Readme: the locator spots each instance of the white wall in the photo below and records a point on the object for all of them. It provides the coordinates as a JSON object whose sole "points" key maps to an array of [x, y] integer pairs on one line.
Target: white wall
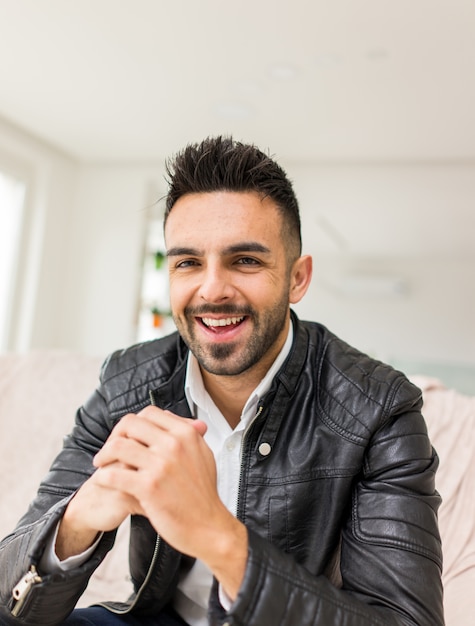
{"points": [[105, 254], [432, 251], [433, 321]]}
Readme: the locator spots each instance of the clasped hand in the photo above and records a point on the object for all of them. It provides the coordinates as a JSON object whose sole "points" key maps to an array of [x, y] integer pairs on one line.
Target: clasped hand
{"points": [[158, 465]]}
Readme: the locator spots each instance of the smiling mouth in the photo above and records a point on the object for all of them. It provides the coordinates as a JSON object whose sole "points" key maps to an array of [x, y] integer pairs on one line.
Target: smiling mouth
{"points": [[222, 323]]}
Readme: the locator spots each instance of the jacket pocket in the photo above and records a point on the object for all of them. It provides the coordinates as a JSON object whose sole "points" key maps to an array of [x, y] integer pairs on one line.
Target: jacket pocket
{"points": [[278, 521]]}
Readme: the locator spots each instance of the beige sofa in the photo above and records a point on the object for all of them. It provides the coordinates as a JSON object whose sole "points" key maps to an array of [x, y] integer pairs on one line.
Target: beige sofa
{"points": [[39, 393]]}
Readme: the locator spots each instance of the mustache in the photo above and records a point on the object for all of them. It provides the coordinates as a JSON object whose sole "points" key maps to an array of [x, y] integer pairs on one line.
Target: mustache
{"points": [[221, 309]]}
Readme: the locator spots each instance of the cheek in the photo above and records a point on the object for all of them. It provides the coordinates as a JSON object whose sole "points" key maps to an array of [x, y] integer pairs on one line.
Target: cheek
{"points": [[267, 290], [178, 296]]}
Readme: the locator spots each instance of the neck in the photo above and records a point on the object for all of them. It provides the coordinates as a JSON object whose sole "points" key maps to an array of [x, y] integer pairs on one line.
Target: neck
{"points": [[230, 393]]}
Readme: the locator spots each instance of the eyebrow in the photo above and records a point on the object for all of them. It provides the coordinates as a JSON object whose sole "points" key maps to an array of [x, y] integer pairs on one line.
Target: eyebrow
{"points": [[235, 248]]}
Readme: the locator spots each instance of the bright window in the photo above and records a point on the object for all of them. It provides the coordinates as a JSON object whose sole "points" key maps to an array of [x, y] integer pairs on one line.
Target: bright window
{"points": [[12, 196]]}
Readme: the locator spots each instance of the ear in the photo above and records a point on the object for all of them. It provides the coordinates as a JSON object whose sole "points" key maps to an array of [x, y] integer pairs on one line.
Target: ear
{"points": [[300, 277]]}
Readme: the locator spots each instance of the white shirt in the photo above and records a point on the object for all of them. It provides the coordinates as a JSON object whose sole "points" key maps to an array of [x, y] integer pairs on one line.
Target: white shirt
{"points": [[192, 595]]}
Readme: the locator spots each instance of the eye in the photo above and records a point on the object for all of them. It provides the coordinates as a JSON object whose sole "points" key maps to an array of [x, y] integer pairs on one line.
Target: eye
{"points": [[185, 263], [247, 260]]}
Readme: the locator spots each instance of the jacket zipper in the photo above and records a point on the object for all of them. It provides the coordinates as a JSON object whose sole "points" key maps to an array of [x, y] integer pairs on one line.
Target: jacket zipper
{"points": [[23, 588], [142, 586], [244, 438]]}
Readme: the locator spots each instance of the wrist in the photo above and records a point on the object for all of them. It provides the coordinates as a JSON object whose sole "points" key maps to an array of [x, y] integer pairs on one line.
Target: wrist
{"points": [[228, 559], [73, 537]]}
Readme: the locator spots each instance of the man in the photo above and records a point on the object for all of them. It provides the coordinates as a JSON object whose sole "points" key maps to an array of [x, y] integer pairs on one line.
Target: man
{"points": [[302, 492]]}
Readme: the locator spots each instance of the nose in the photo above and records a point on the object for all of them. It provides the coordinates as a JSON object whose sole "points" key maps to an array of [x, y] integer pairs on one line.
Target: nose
{"points": [[216, 285]]}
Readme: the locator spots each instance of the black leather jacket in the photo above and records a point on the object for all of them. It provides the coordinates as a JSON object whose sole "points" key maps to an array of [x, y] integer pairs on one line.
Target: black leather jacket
{"points": [[341, 514]]}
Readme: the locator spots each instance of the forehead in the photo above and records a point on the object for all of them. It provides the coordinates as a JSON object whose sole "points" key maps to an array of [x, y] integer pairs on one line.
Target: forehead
{"points": [[223, 216]]}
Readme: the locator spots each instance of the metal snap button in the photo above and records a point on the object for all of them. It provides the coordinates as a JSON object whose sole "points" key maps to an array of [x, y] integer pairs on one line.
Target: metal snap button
{"points": [[265, 449]]}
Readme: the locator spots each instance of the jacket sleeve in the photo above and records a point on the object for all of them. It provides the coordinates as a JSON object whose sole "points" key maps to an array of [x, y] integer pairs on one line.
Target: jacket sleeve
{"points": [[50, 598], [390, 558]]}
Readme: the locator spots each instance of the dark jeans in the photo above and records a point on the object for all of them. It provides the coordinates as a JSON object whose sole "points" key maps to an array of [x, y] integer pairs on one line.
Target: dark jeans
{"points": [[98, 616]]}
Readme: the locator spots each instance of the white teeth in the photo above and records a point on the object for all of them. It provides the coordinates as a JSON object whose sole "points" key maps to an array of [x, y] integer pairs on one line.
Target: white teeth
{"points": [[228, 321]]}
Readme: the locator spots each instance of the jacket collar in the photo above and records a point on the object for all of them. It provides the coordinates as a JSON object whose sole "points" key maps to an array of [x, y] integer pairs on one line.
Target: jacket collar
{"points": [[276, 403], [170, 395]]}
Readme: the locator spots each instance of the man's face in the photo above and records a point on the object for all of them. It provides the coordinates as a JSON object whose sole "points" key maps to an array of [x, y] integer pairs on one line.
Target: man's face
{"points": [[229, 279]]}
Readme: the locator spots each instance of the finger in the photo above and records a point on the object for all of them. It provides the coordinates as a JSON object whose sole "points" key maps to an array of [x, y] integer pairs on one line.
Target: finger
{"points": [[152, 428], [169, 421], [199, 426], [112, 479], [124, 450], [133, 426], [162, 418], [129, 485]]}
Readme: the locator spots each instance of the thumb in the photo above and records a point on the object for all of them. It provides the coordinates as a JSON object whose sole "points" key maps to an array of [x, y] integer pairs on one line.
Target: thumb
{"points": [[200, 426]]}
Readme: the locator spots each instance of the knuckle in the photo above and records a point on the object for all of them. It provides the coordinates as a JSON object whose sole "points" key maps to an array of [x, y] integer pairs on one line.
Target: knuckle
{"points": [[150, 482], [176, 446], [116, 445], [122, 425]]}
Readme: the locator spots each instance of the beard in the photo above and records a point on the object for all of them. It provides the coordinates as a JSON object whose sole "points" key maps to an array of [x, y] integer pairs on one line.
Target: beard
{"points": [[233, 358]]}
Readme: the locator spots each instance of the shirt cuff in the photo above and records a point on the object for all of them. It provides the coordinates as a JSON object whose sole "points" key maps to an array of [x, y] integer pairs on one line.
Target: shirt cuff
{"points": [[50, 563]]}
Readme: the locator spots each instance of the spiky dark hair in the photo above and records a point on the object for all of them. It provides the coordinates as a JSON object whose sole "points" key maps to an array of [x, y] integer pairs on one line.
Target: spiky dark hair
{"points": [[223, 164]]}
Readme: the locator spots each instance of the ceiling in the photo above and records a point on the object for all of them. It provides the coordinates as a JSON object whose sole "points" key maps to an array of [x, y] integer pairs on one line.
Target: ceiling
{"points": [[134, 80], [335, 81]]}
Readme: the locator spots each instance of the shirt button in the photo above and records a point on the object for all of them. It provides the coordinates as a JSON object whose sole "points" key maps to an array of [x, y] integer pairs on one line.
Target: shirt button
{"points": [[230, 446], [265, 449]]}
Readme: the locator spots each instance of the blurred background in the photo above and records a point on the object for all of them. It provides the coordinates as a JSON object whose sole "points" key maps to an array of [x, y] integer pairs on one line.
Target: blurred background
{"points": [[368, 104]]}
